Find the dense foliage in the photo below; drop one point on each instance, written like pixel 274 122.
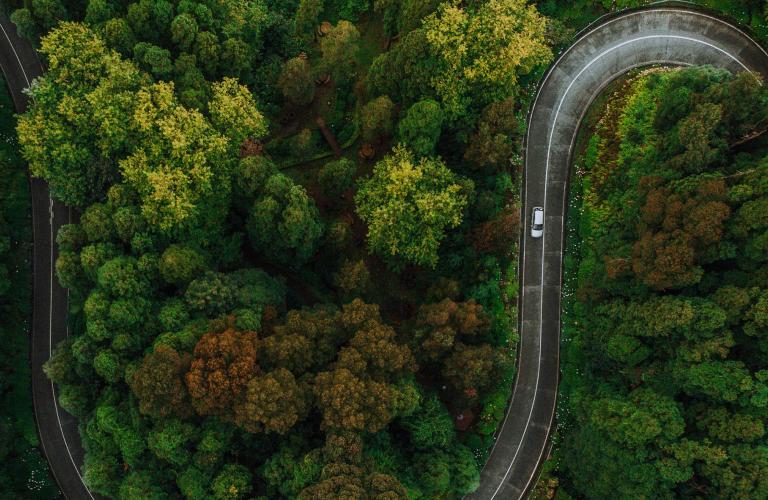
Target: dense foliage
pixel 251 316
pixel 665 379
pixel 191 43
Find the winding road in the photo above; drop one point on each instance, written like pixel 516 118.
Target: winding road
pixel 57 429
pixel 659 35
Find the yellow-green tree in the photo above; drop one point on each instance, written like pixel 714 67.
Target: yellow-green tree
pixel 234 112
pixel 409 204
pixel 178 161
pixel 482 51
pixel 79 122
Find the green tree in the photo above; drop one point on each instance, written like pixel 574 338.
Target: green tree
pixel 430 426
pixel 102 473
pixel 141 484
pixel 296 82
pixel 284 223
pixel 413 12
pixel 420 128
pixel 351 9
pixel 336 177
pixel 179 265
pixel 376 118
pixel 233 482
pixel 406 71
pixel 339 48
pixel 98 11
pixel 741 475
pixel 48 12
pixel 235 57
pixel 25 23
pixel 154 59
pixel 251 174
pixel 194 484
pixel 107 366
pixel 207 51
pixel 139 16
pixel 119 35
pixel 183 31
pixel 122 277
pixel 212 294
pixel 307 16
pixel 170 441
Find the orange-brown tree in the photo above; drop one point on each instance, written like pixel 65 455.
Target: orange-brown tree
pixel 366 388
pixel 349 402
pixel 499 234
pixel 678 230
pixel 492 145
pixel 306 338
pixel 471 369
pixel 440 325
pixel 223 364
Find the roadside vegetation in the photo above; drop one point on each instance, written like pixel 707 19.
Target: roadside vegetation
pixel 23 470
pixel 663 357
pixel 293 273
pixel 564 475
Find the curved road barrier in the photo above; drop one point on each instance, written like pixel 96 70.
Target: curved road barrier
pixel 673 36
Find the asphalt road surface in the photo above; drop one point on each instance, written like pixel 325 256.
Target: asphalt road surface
pixel 57 429
pixel 653 36
pixel 634 39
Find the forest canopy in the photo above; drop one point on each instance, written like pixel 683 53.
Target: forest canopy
pixel 285 279
pixel 292 269
pixel 669 282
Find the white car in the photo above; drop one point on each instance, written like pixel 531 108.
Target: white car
pixel 537 222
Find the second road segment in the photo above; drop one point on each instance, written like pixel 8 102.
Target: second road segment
pixel 660 35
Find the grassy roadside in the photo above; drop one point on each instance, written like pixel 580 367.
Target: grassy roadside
pixel 570 347
pixel 23 470
pixel 572 16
